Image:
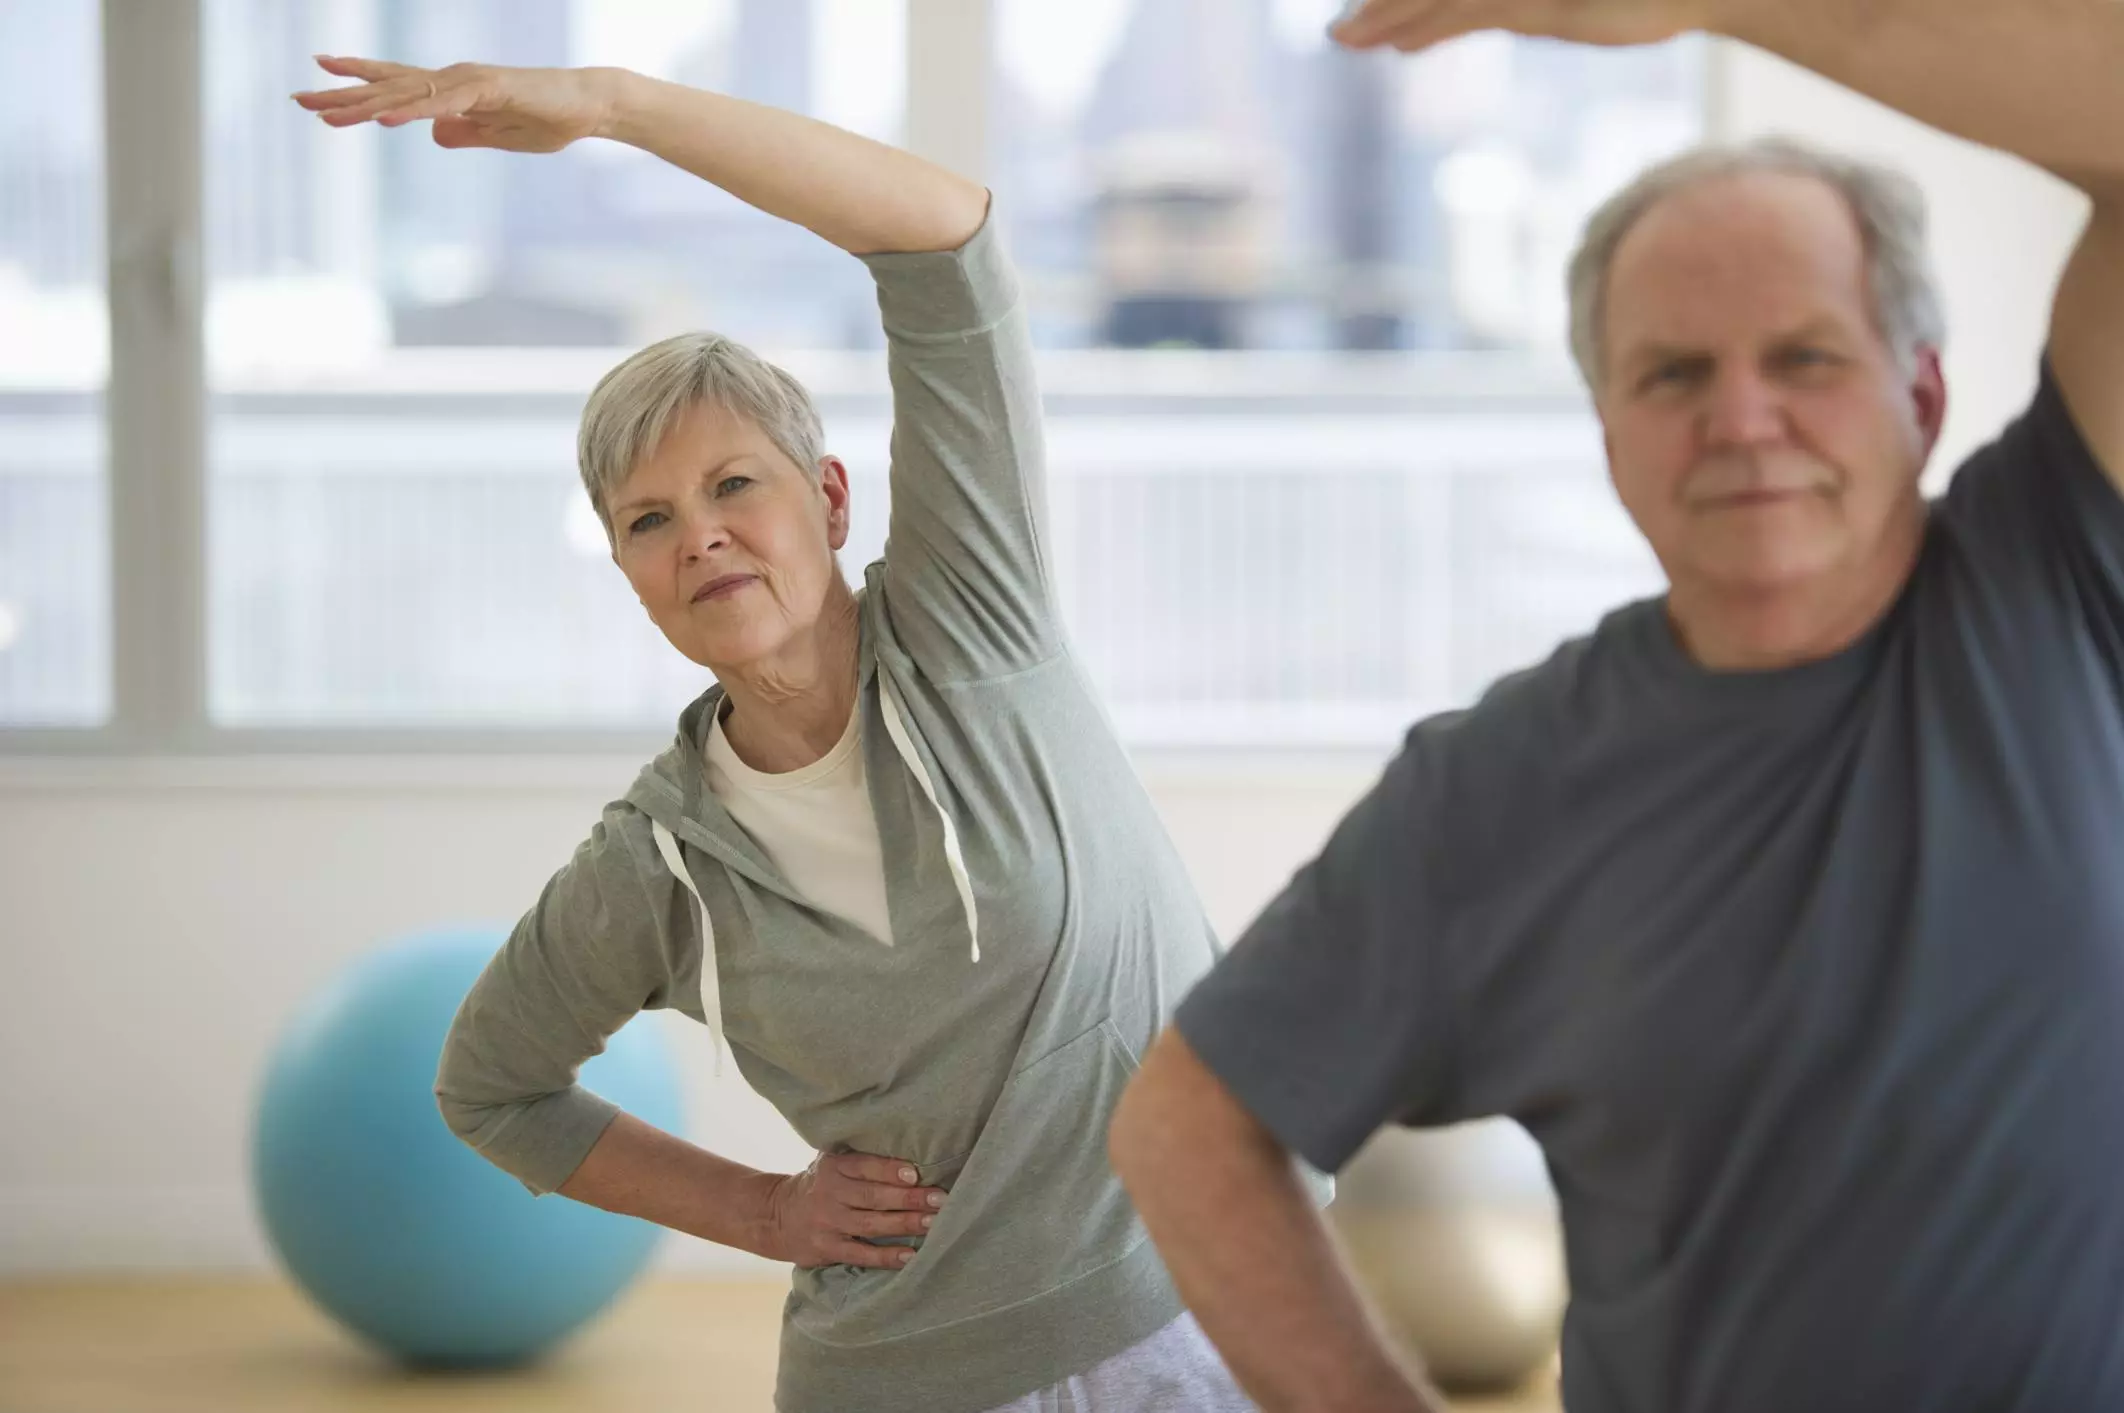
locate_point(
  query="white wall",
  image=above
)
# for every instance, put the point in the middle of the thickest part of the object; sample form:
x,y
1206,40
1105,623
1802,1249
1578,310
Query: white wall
x,y
159,920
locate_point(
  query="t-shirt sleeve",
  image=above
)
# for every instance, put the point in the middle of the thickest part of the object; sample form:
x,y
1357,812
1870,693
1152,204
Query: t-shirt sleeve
x,y
1327,1018
2042,522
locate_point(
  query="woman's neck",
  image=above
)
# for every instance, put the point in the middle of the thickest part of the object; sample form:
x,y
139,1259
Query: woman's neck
x,y
787,711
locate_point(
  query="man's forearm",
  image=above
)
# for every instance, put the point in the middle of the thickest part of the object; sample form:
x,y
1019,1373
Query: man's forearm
x,y
2041,79
864,196
1250,1255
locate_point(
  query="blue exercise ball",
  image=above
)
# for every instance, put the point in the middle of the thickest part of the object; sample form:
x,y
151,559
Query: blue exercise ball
x,y
394,1226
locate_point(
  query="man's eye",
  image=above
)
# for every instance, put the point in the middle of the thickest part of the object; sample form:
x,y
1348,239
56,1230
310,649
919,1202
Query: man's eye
x,y
1679,371
1808,357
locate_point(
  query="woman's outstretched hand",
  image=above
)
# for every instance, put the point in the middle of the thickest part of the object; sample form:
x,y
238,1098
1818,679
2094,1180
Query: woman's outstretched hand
x,y
472,105
832,1212
863,196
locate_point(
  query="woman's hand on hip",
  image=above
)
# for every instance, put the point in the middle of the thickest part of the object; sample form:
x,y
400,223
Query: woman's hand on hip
x,y
472,105
829,1214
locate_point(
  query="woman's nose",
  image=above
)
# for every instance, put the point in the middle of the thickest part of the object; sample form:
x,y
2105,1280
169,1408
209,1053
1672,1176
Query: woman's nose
x,y
703,535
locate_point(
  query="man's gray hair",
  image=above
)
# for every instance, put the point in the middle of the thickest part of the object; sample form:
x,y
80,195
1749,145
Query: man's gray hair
x,y
633,407
1888,206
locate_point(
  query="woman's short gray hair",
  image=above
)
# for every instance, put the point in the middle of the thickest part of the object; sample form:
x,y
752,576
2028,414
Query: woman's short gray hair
x,y
1888,206
633,407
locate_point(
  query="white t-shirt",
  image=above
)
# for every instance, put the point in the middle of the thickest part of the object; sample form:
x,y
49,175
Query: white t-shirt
x,y
814,823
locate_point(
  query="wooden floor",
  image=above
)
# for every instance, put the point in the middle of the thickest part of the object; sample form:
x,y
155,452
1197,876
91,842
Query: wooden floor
x,y
235,1346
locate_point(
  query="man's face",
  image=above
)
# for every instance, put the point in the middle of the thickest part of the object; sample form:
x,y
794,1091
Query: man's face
x,y
1759,429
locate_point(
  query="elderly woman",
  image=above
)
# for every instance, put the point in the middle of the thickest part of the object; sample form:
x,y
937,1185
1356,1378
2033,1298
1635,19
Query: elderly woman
x,y
895,858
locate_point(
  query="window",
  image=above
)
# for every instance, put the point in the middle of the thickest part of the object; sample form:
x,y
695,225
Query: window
x,y
54,560
1282,283
1215,174
1318,462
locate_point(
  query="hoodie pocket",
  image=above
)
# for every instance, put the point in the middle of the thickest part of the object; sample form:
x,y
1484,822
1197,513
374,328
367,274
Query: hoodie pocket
x,y
1035,1207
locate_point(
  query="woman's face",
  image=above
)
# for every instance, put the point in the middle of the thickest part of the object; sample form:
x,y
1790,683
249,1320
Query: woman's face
x,y
727,542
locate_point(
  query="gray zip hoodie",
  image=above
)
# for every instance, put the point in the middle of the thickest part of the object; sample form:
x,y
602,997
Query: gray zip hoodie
x,y
1044,925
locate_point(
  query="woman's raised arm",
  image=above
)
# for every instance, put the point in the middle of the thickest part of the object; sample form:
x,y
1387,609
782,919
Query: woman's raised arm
x,y
864,196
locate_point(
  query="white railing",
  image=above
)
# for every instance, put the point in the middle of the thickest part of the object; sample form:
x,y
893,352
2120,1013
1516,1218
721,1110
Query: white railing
x,y
1289,567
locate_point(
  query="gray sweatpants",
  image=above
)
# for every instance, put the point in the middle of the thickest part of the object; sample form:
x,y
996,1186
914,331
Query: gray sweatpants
x,y
1176,1370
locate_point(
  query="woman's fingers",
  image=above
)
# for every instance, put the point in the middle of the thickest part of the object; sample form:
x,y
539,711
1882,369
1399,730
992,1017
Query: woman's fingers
x,y
889,1197
862,1253
392,95
1433,22
869,1167
848,1197
1419,24
322,100
1363,25
370,69
446,93
379,106
519,110
861,1223
343,107
440,102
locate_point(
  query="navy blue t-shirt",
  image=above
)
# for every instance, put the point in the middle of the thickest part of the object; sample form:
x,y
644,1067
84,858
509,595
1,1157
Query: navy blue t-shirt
x,y
1810,983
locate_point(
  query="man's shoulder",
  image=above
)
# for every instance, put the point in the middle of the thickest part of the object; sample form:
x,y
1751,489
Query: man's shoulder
x,y
1494,776
1550,702
2039,462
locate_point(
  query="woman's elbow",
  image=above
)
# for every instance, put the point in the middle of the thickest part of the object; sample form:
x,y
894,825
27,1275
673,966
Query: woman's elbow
x,y
465,1118
476,1115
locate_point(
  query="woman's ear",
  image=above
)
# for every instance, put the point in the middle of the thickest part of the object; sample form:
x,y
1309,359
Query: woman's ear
x,y
833,486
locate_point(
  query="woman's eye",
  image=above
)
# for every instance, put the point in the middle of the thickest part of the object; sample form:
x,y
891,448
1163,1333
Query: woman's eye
x,y
646,521
731,484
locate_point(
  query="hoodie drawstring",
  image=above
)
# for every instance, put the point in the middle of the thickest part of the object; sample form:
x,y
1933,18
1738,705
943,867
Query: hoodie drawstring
x,y
953,858
711,984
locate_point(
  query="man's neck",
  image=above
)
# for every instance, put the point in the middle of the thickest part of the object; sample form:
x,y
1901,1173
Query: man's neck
x,y
1761,630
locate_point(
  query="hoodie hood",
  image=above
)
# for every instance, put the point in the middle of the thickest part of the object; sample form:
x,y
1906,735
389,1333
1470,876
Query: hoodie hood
x,y
673,791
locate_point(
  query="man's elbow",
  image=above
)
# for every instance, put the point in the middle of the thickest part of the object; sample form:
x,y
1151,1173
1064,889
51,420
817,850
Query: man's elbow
x,y
1132,1137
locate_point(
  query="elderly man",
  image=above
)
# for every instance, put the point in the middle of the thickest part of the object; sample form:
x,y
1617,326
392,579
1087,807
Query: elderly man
x,y
1785,911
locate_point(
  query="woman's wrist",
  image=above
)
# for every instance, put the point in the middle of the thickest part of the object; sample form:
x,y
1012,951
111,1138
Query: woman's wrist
x,y
620,97
760,1219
